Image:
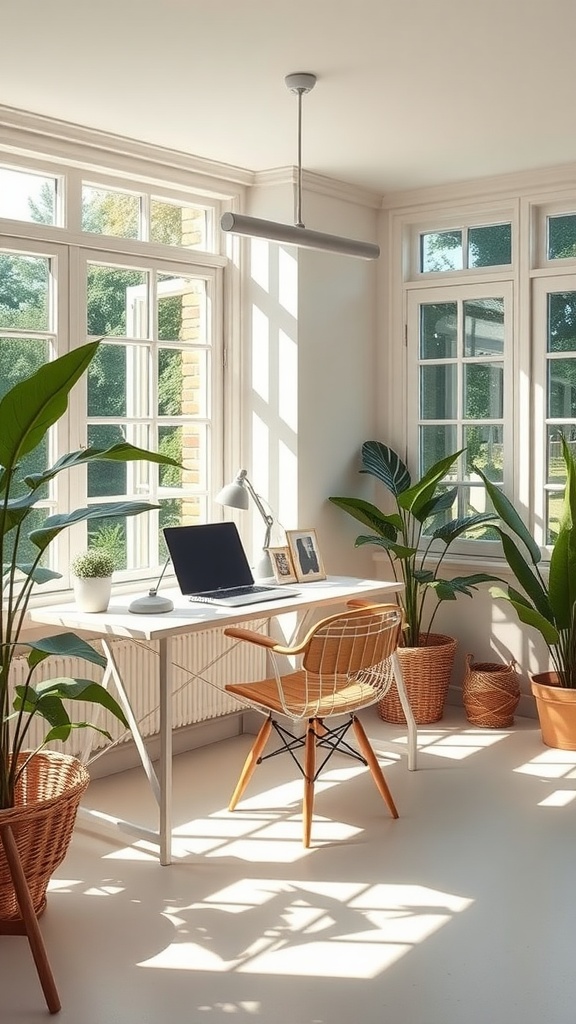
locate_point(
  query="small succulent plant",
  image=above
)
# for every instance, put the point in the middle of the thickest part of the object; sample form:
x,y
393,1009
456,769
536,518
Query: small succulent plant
x,y
94,563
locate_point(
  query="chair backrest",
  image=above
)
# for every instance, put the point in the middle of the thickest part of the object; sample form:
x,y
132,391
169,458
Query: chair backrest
x,y
346,663
353,642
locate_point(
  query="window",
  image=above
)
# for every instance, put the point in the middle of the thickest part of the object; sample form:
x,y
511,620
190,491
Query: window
x,y
466,248
490,365
460,346
127,276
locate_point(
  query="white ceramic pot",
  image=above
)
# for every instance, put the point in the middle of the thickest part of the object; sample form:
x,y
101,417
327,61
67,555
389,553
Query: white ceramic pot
x,y
92,594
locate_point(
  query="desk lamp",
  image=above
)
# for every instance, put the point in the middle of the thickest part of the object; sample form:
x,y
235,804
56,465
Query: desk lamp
x,y
152,603
235,495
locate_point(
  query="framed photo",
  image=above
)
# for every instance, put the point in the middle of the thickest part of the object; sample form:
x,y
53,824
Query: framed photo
x,y
305,555
282,565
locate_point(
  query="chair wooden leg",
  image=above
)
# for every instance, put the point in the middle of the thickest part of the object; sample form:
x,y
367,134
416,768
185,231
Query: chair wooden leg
x,y
251,762
370,756
30,922
309,772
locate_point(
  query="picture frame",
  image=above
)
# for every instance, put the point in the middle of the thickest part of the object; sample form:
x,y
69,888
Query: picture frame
x,y
306,556
282,564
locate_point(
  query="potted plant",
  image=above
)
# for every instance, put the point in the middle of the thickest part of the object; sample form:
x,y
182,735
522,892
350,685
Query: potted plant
x,y
546,602
416,537
40,789
92,579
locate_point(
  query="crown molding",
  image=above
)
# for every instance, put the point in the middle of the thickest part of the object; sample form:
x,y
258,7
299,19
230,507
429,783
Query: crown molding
x,y
505,186
25,132
312,182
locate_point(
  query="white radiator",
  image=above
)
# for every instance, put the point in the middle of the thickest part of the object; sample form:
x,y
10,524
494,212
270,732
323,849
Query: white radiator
x,y
193,700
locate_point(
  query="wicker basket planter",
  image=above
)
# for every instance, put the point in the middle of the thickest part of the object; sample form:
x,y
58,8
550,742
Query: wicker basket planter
x,y
42,822
426,672
490,693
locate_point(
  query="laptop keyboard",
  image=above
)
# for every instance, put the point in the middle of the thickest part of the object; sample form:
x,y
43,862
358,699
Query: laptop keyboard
x,y
229,592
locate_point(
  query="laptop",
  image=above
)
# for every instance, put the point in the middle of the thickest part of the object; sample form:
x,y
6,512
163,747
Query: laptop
x,y
211,566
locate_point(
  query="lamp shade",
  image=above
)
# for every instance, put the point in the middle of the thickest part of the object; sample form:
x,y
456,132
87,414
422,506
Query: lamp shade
x,y
233,495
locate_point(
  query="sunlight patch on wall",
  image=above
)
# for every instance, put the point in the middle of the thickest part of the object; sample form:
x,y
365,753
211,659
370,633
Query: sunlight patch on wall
x,y
260,262
288,380
260,354
288,281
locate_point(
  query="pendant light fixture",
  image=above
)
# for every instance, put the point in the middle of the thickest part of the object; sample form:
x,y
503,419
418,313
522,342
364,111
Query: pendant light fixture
x,y
297,234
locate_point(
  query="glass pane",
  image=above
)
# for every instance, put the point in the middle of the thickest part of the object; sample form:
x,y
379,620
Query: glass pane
x,y
562,237
119,381
483,391
186,444
27,551
30,197
174,224
554,507
189,511
484,327
105,212
19,357
485,451
438,330
436,443
489,246
181,309
24,292
562,322
441,250
106,478
110,533
562,388
441,518
555,460
477,502
438,392
117,302
107,382
182,382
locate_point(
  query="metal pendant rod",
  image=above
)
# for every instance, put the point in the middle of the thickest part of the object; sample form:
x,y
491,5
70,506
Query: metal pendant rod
x,y
298,218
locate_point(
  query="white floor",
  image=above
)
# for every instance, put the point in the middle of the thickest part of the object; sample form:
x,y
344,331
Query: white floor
x,y
463,911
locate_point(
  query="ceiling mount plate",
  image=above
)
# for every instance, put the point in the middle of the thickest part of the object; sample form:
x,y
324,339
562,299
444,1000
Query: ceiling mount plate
x,y
301,81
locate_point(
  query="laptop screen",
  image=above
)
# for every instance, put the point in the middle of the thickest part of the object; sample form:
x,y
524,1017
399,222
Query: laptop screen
x,y
208,557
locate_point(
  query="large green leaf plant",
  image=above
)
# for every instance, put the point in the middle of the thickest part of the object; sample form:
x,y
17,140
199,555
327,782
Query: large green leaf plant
x,y
547,601
27,412
415,536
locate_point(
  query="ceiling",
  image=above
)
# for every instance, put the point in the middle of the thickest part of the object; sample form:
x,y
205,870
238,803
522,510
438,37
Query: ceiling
x,y
409,93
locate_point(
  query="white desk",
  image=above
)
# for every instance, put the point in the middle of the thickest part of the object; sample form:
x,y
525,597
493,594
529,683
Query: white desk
x,y
186,617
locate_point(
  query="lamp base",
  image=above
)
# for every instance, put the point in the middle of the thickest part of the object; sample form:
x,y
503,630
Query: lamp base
x,y
263,567
151,604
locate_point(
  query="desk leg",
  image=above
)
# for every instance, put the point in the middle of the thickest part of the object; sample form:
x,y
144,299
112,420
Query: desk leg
x,y
165,678
409,714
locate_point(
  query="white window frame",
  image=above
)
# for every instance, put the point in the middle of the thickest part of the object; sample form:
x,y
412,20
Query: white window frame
x,y
458,292
72,247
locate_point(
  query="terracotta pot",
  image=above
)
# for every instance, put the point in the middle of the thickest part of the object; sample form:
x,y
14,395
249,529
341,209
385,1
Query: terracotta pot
x,y
426,671
556,706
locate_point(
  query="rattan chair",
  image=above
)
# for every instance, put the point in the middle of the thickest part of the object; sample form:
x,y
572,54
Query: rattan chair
x,y
347,663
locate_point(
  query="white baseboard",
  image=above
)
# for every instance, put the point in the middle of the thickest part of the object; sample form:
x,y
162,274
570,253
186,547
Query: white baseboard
x,y
190,737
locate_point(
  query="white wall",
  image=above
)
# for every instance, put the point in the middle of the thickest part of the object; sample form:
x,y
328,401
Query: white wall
x,y
309,328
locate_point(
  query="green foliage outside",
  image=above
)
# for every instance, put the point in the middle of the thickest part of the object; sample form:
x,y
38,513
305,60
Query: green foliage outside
x,y
24,297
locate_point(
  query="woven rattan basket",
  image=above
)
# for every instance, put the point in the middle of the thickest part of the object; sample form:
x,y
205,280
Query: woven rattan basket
x,y
42,822
490,693
426,671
